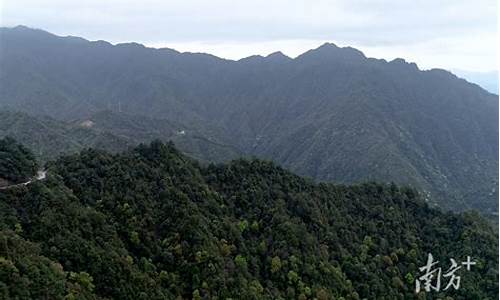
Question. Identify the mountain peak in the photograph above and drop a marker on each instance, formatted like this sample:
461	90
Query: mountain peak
328	45
26	29
131	45
278	56
330	51
251	58
400	62
22	27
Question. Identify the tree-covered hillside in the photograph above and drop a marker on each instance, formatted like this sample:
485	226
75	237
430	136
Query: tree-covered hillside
114	132
153	224
17	163
48	138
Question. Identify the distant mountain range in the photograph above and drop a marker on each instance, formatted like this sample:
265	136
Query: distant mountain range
331	113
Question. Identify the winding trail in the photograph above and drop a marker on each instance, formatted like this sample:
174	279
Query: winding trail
40	175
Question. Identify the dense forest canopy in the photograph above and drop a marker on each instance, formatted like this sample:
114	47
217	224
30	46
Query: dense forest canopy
17	163
152	223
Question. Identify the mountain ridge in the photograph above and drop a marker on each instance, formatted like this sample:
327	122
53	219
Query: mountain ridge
278	53
331	113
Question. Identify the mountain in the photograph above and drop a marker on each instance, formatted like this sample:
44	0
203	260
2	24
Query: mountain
487	80
114	132
49	138
331	113
17	163
152	223
202	143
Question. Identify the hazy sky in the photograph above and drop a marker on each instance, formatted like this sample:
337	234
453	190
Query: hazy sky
450	34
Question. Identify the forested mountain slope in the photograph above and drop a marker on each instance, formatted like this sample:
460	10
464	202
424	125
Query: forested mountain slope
114	132
49	138
17	163
331	113
202	143
153	224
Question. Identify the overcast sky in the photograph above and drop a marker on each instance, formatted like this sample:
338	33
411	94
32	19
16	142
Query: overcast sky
450	34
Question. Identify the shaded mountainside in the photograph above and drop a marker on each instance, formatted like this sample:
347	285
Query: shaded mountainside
153	224
114	132
17	163
202	143
49	138
330	113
